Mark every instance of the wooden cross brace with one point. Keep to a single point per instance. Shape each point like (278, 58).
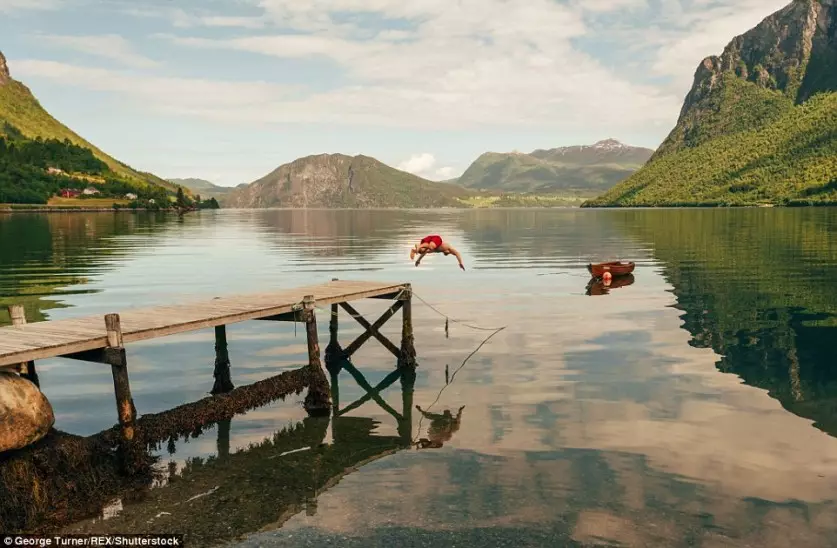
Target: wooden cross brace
(372, 330)
(372, 393)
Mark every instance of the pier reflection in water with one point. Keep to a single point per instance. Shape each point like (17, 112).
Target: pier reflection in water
(220, 498)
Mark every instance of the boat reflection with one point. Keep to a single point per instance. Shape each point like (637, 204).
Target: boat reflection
(601, 287)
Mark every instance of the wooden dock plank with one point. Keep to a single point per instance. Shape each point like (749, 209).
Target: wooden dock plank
(41, 340)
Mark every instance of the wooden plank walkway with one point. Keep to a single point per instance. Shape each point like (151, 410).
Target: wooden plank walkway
(50, 339)
(101, 339)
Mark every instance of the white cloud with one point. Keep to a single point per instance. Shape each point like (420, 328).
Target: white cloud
(162, 93)
(109, 46)
(469, 64)
(180, 18)
(445, 173)
(603, 6)
(8, 6)
(418, 163)
(423, 165)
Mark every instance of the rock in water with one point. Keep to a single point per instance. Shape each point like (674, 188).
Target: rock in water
(25, 413)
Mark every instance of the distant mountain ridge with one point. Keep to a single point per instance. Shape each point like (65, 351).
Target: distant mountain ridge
(582, 168)
(759, 125)
(202, 187)
(341, 181)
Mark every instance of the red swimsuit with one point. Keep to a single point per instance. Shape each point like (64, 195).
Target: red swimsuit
(432, 239)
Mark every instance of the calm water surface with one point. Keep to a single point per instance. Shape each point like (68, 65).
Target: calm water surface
(696, 406)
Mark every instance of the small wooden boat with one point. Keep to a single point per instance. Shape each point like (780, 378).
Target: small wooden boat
(616, 268)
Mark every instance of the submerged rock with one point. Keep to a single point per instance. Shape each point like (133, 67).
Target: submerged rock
(25, 413)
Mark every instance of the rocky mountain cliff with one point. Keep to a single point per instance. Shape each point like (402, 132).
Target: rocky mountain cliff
(790, 56)
(337, 180)
(4, 70)
(584, 168)
(759, 125)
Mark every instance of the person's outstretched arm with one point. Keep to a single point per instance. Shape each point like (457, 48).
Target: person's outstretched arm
(423, 250)
(458, 257)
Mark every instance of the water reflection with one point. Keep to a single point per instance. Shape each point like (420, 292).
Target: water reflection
(753, 286)
(601, 287)
(212, 498)
(45, 257)
(618, 420)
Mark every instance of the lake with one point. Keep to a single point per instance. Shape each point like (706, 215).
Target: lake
(696, 406)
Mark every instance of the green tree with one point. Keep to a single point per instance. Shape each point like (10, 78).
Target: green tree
(181, 198)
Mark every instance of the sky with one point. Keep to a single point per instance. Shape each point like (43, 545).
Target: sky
(228, 90)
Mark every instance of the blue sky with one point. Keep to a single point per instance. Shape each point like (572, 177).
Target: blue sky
(229, 90)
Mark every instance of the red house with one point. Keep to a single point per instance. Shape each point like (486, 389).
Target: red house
(69, 193)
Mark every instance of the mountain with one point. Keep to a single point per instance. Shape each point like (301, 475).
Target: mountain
(577, 168)
(23, 117)
(337, 180)
(759, 125)
(203, 187)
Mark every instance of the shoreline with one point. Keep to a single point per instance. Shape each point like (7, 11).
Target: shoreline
(70, 209)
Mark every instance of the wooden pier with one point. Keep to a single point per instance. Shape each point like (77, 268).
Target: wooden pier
(102, 339)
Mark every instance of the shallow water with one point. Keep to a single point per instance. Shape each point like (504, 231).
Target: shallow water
(694, 407)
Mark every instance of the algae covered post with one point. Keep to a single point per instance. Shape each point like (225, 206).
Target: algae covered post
(407, 355)
(115, 353)
(317, 402)
(223, 381)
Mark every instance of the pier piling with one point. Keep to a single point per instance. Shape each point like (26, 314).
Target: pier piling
(333, 352)
(115, 355)
(317, 402)
(223, 381)
(26, 369)
(407, 355)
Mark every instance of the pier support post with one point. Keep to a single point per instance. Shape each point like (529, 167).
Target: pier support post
(317, 402)
(407, 356)
(405, 425)
(26, 369)
(223, 381)
(333, 352)
(125, 409)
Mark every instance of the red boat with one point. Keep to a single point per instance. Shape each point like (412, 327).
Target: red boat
(616, 268)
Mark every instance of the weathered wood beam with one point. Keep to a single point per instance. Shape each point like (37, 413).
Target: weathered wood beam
(295, 316)
(26, 369)
(109, 356)
(407, 353)
(317, 401)
(223, 380)
(125, 409)
(388, 296)
(372, 330)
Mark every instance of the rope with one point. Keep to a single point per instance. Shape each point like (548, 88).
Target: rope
(439, 395)
(447, 318)
(574, 275)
